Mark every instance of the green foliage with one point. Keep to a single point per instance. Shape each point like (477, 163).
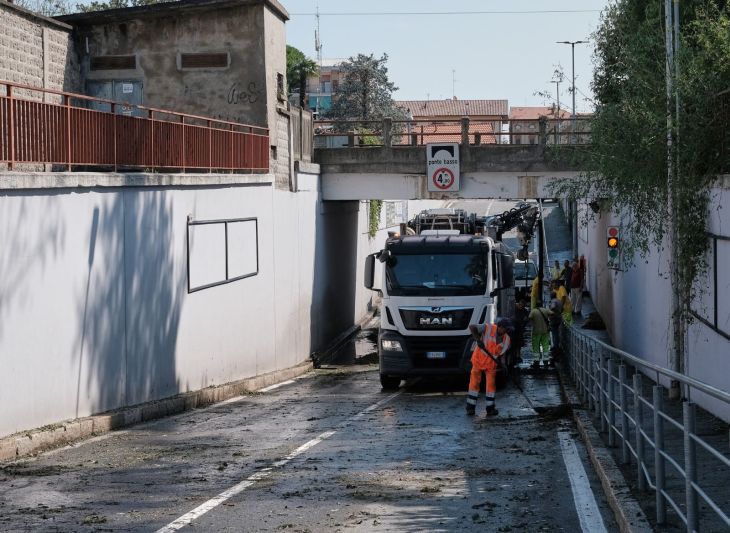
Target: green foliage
(628, 152)
(298, 69)
(366, 93)
(376, 207)
(116, 4)
(52, 8)
(49, 8)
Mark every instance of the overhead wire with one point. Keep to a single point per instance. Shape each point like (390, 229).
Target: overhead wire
(441, 13)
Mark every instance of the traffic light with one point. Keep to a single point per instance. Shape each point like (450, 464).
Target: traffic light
(613, 241)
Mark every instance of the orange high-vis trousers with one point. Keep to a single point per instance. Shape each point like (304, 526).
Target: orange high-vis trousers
(475, 380)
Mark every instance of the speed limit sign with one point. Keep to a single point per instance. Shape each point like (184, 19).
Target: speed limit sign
(442, 167)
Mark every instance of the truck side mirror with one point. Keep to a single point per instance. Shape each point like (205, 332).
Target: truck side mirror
(369, 271)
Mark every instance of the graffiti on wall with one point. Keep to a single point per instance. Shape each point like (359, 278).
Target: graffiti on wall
(240, 94)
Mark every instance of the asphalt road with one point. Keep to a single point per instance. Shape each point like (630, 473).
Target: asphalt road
(328, 452)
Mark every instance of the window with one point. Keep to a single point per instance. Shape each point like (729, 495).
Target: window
(221, 251)
(204, 60)
(113, 63)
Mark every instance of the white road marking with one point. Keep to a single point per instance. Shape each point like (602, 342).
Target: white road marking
(589, 516)
(276, 385)
(263, 473)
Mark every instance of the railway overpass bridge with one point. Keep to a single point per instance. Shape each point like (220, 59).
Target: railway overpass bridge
(396, 170)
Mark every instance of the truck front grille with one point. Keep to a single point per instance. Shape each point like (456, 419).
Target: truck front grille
(446, 320)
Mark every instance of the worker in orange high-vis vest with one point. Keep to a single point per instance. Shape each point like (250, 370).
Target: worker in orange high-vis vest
(492, 343)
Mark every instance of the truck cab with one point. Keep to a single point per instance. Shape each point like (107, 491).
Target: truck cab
(433, 285)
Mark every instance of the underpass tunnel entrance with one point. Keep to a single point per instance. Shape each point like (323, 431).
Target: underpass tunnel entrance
(436, 267)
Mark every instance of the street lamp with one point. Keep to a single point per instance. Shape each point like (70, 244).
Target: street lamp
(572, 50)
(557, 114)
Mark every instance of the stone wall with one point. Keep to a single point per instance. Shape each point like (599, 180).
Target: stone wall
(280, 165)
(36, 51)
(237, 92)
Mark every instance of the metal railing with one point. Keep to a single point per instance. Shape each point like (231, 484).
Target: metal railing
(612, 384)
(74, 130)
(389, 132)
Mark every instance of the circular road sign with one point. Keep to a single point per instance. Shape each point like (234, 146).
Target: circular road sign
(443, 178)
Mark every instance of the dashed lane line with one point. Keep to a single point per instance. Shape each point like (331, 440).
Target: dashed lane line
(276, 385)
(589, 515)
(264, 473)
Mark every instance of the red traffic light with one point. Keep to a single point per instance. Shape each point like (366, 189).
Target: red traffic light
(613, 231)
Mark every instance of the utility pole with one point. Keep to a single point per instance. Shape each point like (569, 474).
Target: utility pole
(453, 84)
(572, 54)
(318, 48)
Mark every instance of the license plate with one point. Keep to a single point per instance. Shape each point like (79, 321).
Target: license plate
(435, 355)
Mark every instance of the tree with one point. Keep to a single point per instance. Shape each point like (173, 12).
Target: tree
(629, 157)
(48, 8)
(116, 4)
(366, 92)
(298, 69)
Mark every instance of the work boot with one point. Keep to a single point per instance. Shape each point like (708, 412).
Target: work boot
(492, 411)
(470, 409)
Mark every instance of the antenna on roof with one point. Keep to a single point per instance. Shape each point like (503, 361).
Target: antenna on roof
(317, 42)
(318, 49)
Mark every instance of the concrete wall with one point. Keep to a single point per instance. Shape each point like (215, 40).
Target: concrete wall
(237, 93)
(95, 312)
(636, 303)
(36, 51)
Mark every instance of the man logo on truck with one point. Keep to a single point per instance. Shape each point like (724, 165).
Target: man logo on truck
(436, 321)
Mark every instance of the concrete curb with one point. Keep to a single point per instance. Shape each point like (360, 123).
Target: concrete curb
(629, 515)
(38, 440)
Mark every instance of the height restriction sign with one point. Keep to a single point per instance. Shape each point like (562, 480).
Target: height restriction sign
(442, 167)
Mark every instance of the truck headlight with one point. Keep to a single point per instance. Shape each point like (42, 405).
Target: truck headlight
(392, 346)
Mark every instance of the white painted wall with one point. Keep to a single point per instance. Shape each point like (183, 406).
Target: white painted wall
(636, 304)
(474, 185)
(94, 308)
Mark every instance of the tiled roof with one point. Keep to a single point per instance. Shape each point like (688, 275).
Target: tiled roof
(455, 108)
(534, 113)
(440, 132)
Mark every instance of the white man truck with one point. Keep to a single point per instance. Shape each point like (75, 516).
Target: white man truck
(443, 275)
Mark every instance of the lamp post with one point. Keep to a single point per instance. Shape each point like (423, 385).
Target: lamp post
(572, 52)
(557, 114)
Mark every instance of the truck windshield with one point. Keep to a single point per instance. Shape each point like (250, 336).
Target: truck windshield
(442, 274)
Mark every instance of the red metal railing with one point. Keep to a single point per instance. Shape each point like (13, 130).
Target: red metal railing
(69, 132)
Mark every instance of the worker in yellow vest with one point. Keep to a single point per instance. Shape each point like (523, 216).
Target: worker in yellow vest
(492, 343)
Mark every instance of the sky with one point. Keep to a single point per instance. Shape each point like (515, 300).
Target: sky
(509, 56)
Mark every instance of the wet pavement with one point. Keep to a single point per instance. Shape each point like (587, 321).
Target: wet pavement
(328, 452)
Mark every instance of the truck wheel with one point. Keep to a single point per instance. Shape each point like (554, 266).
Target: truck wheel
(389, 382)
